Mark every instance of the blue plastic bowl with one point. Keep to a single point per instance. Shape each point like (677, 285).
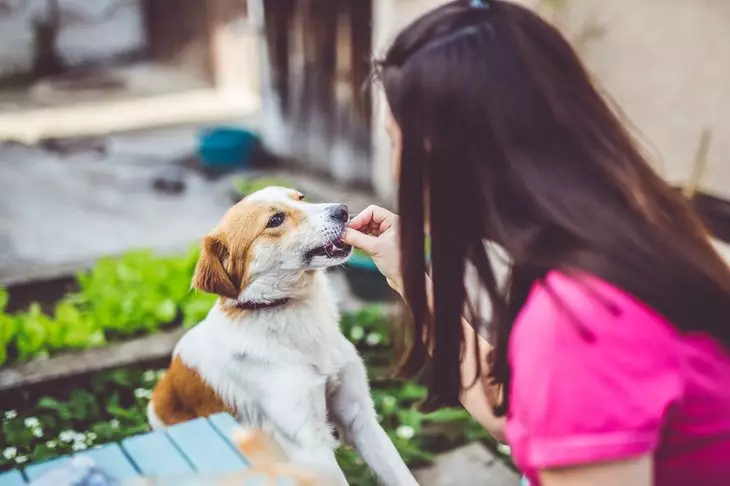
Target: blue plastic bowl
(226, 147)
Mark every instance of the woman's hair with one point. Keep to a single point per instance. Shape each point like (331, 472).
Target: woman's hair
(505, 139)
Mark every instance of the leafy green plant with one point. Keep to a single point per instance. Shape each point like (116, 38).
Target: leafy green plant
(246, 186)
(109, 407)
(136, 294)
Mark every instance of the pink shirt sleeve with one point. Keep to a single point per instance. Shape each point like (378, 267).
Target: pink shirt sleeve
(591, 381)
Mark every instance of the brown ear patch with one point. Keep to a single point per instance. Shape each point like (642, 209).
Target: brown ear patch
(210, 275)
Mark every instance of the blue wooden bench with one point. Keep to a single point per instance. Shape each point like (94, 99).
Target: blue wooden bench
(198, 446)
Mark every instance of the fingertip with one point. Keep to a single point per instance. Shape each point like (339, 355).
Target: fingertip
(347, 235)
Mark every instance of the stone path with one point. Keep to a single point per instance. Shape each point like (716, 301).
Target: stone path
(470, 465)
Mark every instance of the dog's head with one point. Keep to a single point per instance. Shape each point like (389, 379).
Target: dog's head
(272, 232)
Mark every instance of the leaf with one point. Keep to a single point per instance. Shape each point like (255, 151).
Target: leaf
(412, 391)
(31, 334)
(4, 298)
(412, 418)
(49, 403)
(8, 328)
(196, 308)
(166, 311)
(42, 452)
(447, 415)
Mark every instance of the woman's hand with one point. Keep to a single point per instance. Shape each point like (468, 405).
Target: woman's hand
(375, 231)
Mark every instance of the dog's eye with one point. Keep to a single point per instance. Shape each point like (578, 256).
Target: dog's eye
(276, 220)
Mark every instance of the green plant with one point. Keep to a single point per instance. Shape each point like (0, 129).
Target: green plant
(107, 408)
(135, 294)
(246, 186)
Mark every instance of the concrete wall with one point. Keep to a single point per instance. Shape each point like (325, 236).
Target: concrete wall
(93, 30)
(665, 62)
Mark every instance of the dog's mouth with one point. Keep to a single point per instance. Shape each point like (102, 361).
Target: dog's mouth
(332, 249)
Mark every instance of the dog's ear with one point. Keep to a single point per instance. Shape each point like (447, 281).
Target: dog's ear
(210, 276)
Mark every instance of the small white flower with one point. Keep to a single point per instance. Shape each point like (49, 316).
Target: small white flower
(142, 393)
(78, 446)
(11, 414)
(149, 376)
(31, 422)
(405, 432)
(10, 452)
(389, 402)
(67, 435)
(114, 423)
(21, 459)
(37, 432)
(90, 437)
(51, 444)
(373, 339)
(504, 449)
(357, 333)
(160, 374)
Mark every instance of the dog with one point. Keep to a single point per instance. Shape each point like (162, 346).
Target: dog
(270, 352)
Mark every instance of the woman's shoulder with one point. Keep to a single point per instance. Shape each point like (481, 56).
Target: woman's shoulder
(585, 315)
(590, 306)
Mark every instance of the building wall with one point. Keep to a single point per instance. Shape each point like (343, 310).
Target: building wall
(92, 31)
(665, 62)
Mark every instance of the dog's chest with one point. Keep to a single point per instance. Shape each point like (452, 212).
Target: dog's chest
(246, 368)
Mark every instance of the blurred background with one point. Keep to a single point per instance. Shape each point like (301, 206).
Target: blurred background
(127, 127)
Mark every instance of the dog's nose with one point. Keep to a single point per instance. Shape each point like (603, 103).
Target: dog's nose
(339, 212)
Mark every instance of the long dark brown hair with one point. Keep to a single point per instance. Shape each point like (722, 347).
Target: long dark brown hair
(507, 140)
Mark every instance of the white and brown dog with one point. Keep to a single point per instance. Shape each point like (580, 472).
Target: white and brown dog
(270, 352)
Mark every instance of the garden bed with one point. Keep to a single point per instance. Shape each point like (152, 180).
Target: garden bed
(107, 406)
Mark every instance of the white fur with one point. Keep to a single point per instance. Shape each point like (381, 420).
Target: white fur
(286, 368)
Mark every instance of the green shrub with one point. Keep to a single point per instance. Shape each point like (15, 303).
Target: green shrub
(246, 186)
(136, 294)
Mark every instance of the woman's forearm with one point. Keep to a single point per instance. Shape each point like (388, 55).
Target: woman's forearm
(475, 398)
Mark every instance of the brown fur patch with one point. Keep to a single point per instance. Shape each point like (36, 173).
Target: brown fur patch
(183, 395)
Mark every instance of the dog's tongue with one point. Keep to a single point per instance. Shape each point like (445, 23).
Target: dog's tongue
(337, 244)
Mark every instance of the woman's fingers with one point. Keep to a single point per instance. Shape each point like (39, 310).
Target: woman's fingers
(360, 240)
(372, 217)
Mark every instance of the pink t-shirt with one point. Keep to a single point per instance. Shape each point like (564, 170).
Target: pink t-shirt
(598, 376)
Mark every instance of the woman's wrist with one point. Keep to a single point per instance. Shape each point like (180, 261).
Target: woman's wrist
(396, 283)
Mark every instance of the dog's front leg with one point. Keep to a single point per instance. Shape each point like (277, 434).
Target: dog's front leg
(301, 430)
(351, 407)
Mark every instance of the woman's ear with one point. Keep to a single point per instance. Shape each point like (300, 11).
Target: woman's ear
(210, 276)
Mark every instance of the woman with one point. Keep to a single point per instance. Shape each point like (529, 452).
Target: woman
(611, 334)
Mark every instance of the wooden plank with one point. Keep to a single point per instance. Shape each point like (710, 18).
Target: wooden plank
(112, 460)
(225, 424)
(154, 454)
(205, 448)
(35, 471)
(12, 478)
